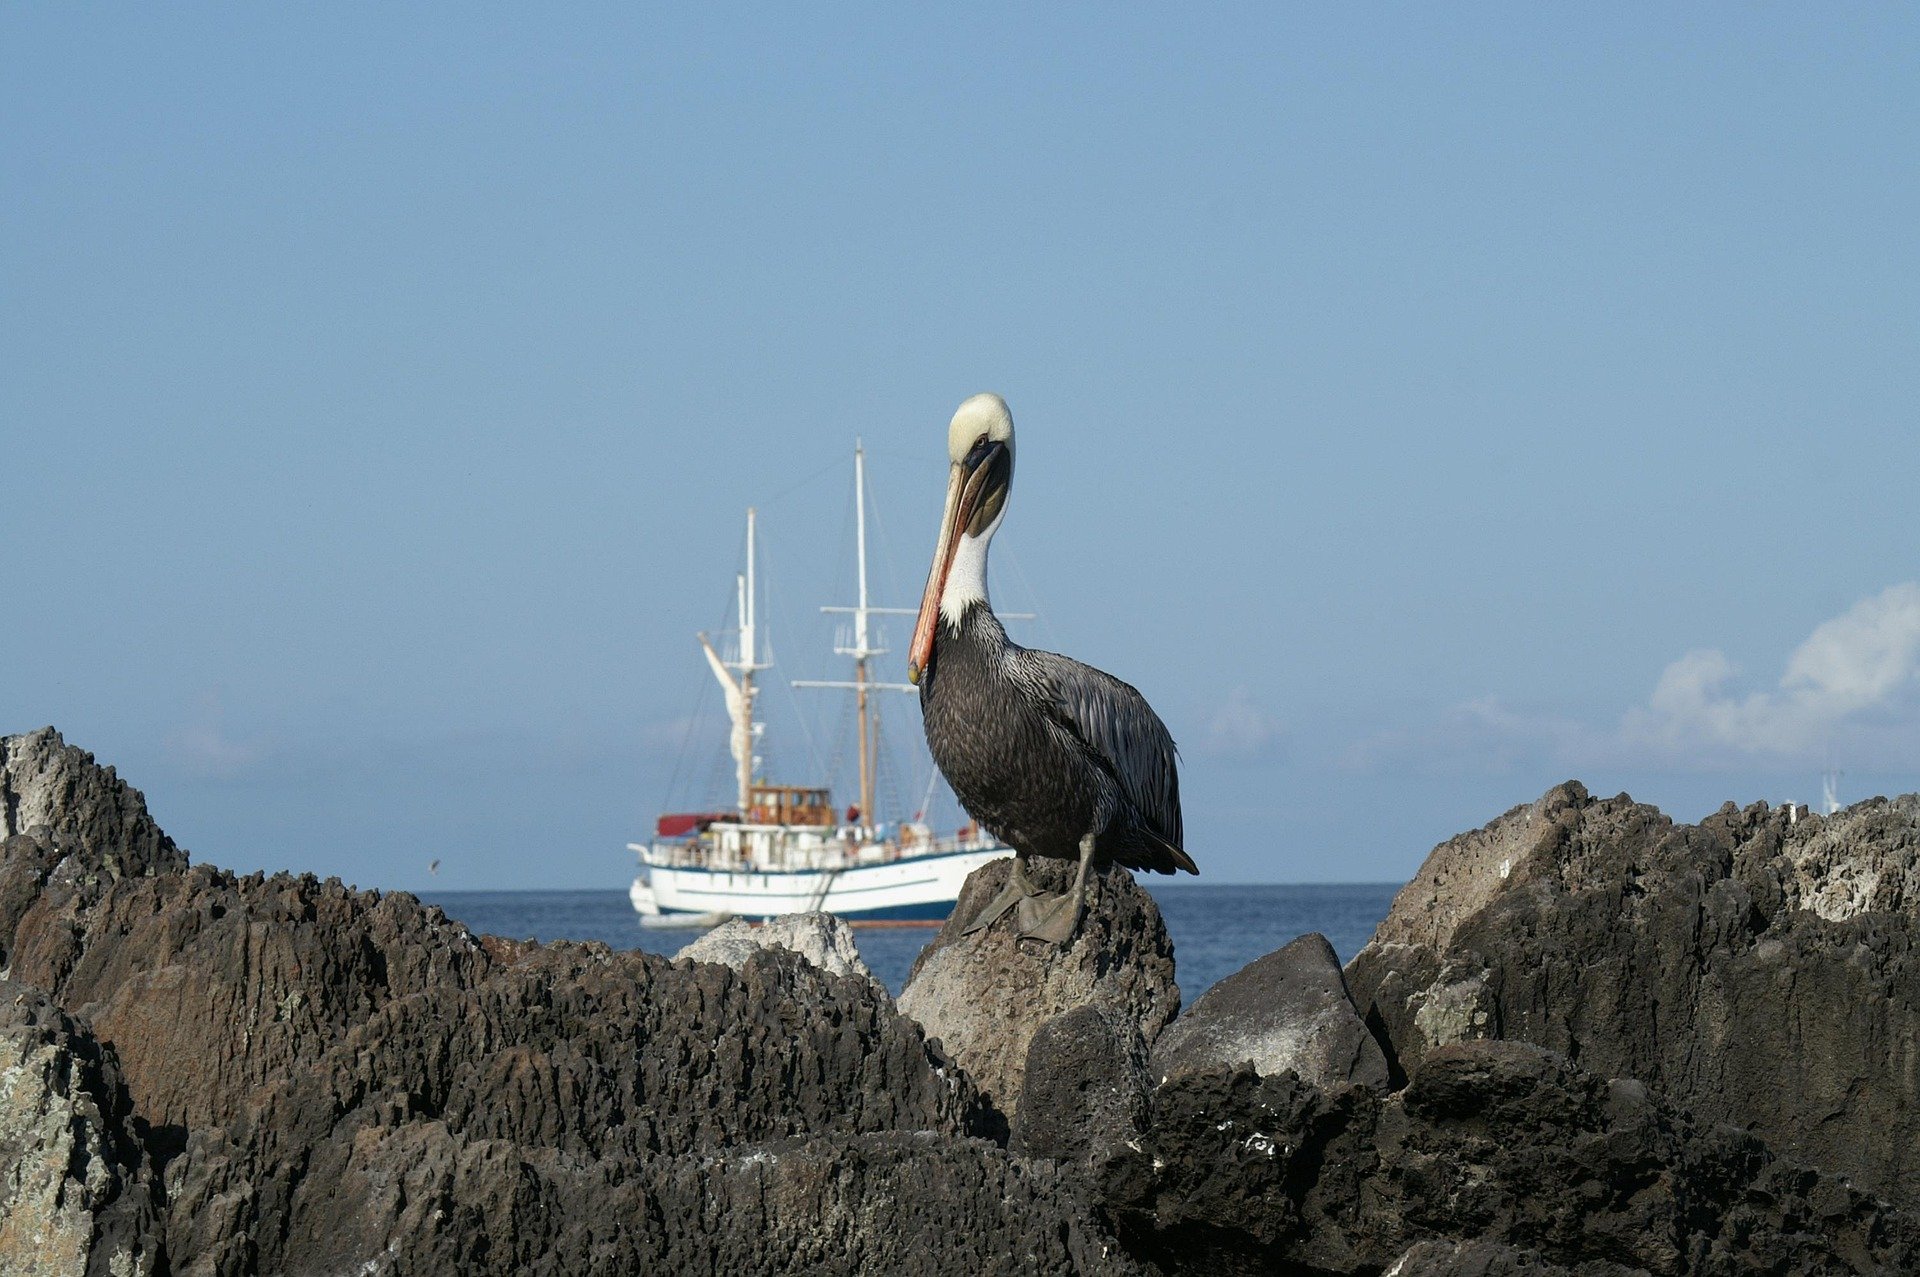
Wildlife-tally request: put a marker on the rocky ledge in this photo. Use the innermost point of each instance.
(1586, 1040)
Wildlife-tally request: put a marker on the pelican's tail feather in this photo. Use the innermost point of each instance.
(1164, 856)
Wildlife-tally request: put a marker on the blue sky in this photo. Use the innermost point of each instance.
(1421, 406)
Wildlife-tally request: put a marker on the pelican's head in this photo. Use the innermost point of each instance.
(981, 419)
(980, 448)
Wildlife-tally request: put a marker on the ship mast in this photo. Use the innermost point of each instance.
(862, 649)
(861, 644)
(736, 676)
(748, 650)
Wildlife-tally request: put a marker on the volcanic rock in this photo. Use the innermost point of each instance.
(1085, 1087)
(1288, 1010)
(1505, 1145)
(214, 1075)
(336, 1080)
(585, 1109)
(1240, 1173)
(421, 1198)
(76, 1185)
(57, 804)
(1760, 968)
(46, 783)
(207, 985)
(820, 938)
(984, 996)
(1489, 1259)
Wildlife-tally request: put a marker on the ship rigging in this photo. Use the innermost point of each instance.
(783, 848)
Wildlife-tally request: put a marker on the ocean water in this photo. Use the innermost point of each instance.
(1216, 928)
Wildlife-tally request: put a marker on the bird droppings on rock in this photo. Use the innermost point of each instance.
(820, 938)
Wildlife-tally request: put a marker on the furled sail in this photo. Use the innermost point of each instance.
(740, 739)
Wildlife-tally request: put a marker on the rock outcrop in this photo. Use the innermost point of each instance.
(76, 1185)
(1496, 1157)
(820, 938)
(984, 996)
(57, 804)
(85, 808)
(1085, 1087)
(1760, 968)
(1287, 1011)
(573, 1083)
(209, 985)
(328, 1080)
(1558, 1063)
(1489, 1259)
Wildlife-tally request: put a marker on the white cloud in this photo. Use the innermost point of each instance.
(1863, 656)
(1861, 665)
(206, 751)
(1241, 728)
(1854, 681)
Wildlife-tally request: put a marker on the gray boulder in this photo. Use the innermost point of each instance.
(1288, 1010)
(984, 996)
(1085, 1088)
(820, 938)
(1761, 968)
(47, 784)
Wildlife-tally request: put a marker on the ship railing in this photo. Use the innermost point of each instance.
(694, 854)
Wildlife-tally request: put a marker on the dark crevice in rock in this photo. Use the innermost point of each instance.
(1377, 1026)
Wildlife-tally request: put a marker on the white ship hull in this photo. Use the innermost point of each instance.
(916, 888)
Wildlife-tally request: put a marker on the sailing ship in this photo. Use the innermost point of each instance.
(788, 848)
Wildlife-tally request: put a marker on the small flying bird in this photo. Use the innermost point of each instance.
(1054, 757)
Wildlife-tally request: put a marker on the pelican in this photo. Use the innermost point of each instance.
(1054, 757)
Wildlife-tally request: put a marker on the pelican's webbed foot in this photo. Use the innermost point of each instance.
(1050, 917)
(1057, 917)
(1016, 893)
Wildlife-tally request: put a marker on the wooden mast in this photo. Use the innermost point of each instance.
(859, 644)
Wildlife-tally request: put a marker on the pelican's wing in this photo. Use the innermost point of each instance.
(1123, 734)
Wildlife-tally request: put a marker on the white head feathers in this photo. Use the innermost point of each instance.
(983, 416)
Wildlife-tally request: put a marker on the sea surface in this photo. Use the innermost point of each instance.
(1216, 928)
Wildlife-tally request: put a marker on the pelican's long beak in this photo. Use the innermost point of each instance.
(967, 485)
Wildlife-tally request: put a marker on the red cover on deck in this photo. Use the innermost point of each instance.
(679, 824)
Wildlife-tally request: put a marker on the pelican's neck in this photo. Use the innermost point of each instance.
(966, 579)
